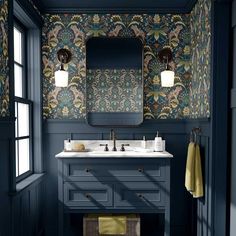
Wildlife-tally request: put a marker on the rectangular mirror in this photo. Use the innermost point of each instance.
(114, 81)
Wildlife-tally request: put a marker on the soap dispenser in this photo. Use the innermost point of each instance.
(158, 144)
(68, 146)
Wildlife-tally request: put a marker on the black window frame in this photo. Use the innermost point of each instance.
(24, 100)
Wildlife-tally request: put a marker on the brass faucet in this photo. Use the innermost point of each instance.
(113, 137)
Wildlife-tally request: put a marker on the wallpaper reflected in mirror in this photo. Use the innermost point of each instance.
(116, 90)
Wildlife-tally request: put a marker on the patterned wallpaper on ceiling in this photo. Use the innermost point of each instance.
(156, 31)
(114, 90)
(4, 69)
(200, 25)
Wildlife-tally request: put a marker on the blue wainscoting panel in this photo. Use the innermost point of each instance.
(115, 118)
(28, 210)
(4, 188)
(21, 212)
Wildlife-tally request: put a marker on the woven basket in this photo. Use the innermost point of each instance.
(90, 226)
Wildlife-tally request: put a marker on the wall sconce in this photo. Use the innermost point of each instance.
(61, 76)
(167, 76)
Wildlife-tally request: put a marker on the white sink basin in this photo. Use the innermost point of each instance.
(128, 152)
(112, 153)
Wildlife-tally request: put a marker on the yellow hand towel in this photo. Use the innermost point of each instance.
(198, 183)
(112, 225)
(190, 169)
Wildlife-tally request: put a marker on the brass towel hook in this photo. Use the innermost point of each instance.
(191, 136)
(195, 134)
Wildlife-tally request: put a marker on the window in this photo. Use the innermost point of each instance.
(23, 106)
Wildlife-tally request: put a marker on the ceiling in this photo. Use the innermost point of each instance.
(110, 6)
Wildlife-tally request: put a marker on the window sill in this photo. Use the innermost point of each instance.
(27, 182)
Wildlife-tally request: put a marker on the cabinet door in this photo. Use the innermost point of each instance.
(93, 195)
(143, 195)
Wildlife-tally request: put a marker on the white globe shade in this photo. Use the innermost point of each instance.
(61, 78)
(167, 78)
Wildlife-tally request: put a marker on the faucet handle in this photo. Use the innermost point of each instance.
(123, 147)
(106, 149)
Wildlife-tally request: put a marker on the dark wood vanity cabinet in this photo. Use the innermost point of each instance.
(99, 185)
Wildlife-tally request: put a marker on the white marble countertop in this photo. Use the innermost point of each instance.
(110, 154)
(93, 150)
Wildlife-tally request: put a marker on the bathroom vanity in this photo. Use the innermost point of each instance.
(114, 182)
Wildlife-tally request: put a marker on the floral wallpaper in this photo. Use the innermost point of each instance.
(200, 26)
(156, 30)
(4, 69)
(188, 35)
(114, 90)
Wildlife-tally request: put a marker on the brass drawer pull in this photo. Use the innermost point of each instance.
(140, 170)
(140, 195)
(87, 170)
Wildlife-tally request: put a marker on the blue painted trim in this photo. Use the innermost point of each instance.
(148, 126)
(115, 119)
(157, 10)
(11, 59)
(7, 120)
(147, 121)
(25, 5)
(11, 131)
(190, 5)
(219, 147)
(233, 98)
(25, 184)
(116, 11)
(83, 128)
(232, 164)
(223, 1)
(233, 14)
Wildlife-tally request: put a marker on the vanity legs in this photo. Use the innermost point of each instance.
(60, 219)
(167, 223)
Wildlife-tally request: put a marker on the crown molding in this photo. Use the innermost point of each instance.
(114, 10)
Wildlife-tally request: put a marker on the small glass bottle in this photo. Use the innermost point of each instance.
(143, 142)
